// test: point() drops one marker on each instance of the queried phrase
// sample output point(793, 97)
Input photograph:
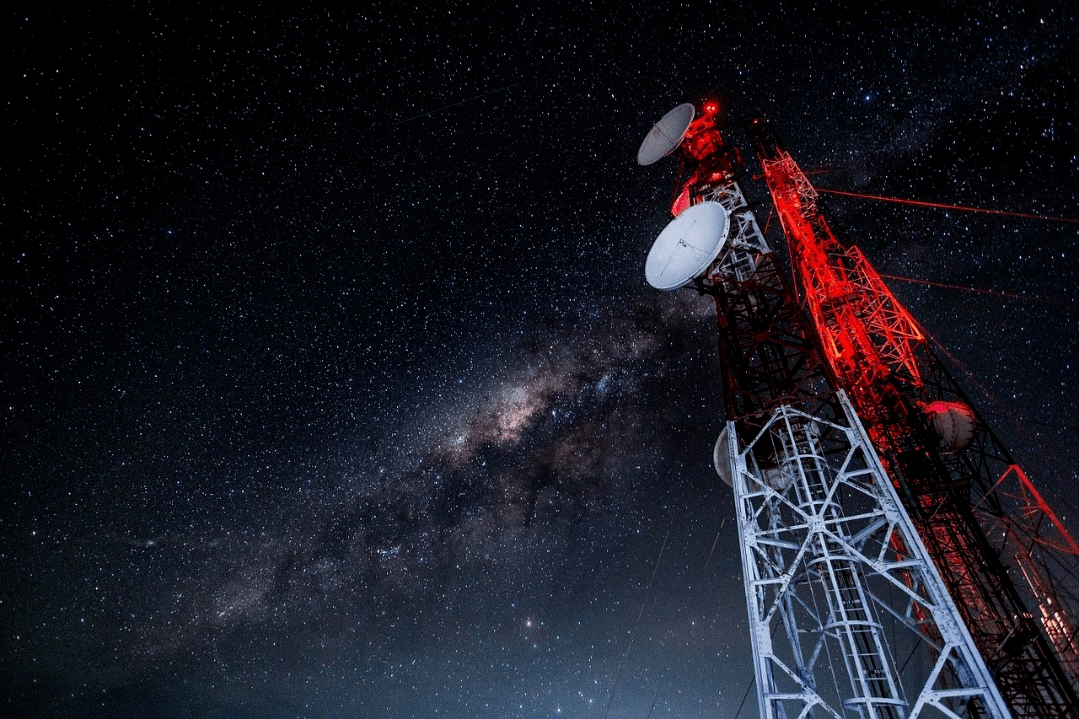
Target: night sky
point(331, 383)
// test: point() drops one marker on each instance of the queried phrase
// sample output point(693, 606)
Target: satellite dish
point(721, 461)
point(687, 246)
point(666, 134)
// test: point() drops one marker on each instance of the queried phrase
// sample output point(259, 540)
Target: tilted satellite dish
point(721, 461)
point(666, 134)
point(687, 246)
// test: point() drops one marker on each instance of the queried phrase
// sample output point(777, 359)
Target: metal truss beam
point(847, 611)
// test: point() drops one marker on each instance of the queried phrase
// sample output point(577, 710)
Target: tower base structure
point(847, 613)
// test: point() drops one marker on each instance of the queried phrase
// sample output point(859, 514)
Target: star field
point(332, 385)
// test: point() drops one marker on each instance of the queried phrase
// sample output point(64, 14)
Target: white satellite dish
point(666, 134)
point(687, 246)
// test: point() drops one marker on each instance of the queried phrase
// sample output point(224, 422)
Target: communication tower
point(977, 512)
point(848, 615)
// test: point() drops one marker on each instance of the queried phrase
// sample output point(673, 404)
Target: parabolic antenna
point(666, 134)
point(687, 246)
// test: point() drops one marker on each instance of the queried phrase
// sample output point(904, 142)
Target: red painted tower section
point(995, 539)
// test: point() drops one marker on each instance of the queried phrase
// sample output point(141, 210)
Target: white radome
point(687, 246)
point(953, 423)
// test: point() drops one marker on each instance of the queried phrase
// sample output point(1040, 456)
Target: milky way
point(332, 383)
point(553, 443)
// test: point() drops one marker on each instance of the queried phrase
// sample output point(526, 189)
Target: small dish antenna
point(666, 134)
point(687, 246)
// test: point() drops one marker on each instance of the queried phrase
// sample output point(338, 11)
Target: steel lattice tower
point(848, 615)
point(975, 509)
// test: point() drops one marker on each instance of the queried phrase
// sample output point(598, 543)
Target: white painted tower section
point(847, 614)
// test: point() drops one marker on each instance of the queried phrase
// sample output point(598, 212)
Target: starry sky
point(332, 386)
